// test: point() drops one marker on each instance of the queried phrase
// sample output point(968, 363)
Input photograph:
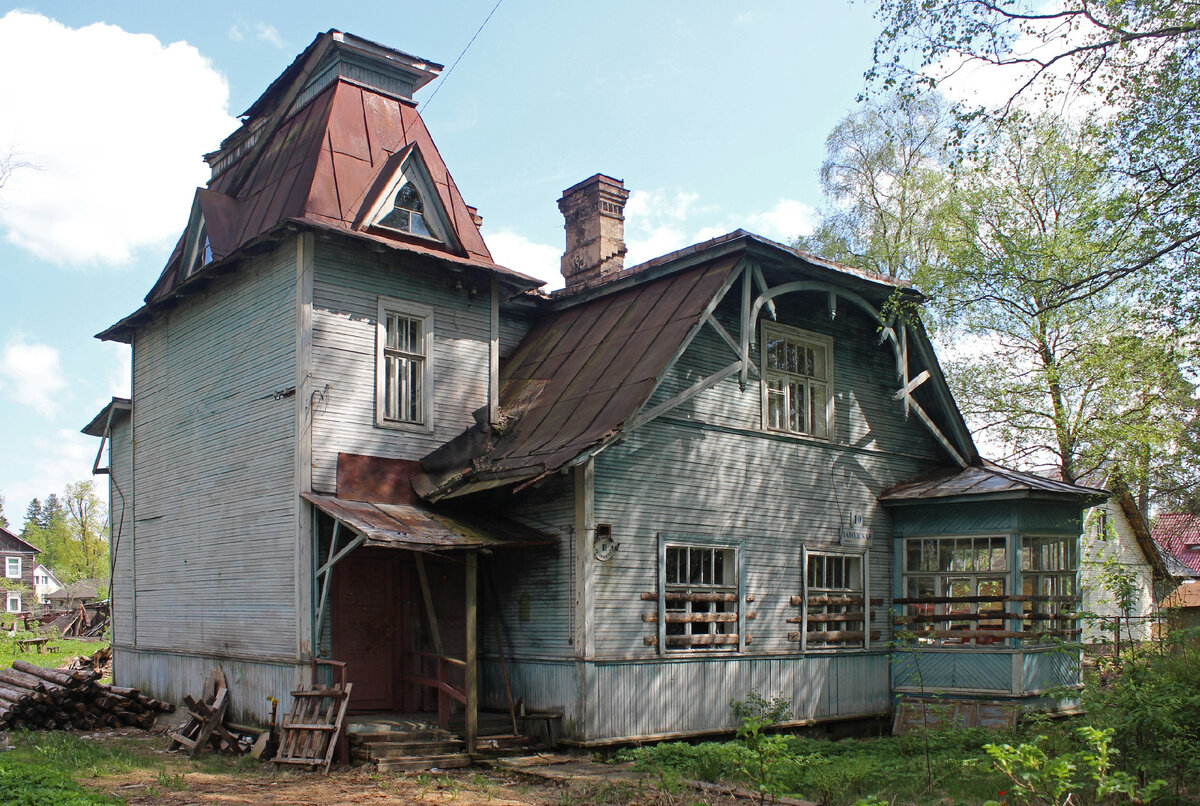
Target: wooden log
point(829, 599)
point(673, 596)
point(26, 680)
point(68, 679)
point(696, 618)
point(827, 636)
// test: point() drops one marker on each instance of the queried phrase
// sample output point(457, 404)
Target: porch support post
point(472, 658)
point(427, 597)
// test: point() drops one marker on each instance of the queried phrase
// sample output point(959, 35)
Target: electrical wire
point(446, 77)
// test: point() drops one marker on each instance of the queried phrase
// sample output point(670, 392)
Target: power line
point(446, 77)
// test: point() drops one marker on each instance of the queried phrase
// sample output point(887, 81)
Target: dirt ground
point(178, 784)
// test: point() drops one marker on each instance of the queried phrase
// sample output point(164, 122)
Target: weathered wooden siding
point(864, 374)
point(214, 439)
point(535, 585)
point(1119, 544)
point(120, 530)
point(171, 675)
point(777, 494)
point(1050, 669)
point(954, 669)
point(348, 282)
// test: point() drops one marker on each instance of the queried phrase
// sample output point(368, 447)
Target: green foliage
point(71, 531)
point(765, 750)
point(1083, 777)
point(41, 768)
point(1153, 711)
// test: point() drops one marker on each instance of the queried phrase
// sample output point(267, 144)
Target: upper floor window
point(12, 567)
point(404, 364)
point(797, 378)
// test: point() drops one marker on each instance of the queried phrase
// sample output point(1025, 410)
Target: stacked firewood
point(50, 699)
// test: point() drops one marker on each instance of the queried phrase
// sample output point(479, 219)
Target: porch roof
point(987, 480)
point(413, 528)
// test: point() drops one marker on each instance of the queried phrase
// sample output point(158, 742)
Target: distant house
point(1182, 606)
point(354, 436)
point(19, 559)
point(1178, 534)
point(44, 583)
point(1117, 547)
point(83, 592)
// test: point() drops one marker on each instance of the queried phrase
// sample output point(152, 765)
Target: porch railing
point(441, 683)
point(986, 619)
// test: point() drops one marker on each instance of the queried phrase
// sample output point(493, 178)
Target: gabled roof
point(116, 409)
point(82, 589)
point(576, 378)
point(585, 371)
point(1175, 532)
point(11, 542)
point(1137, 524)
point(315, 155)
point(983, 481)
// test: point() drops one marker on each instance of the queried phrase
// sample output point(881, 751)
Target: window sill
point(400, 425)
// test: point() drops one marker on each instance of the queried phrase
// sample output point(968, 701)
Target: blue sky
point(714, 114)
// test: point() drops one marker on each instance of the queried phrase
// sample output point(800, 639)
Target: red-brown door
point(369, 623)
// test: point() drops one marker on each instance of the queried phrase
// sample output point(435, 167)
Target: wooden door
point(370, 617)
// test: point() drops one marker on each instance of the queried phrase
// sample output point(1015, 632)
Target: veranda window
point(701, 597)
point(1050, 580)
point(955, 589)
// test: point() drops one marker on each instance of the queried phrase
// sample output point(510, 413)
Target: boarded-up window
point(836, 609)
point(701, 597)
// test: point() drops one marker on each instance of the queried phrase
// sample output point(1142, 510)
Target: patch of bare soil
point(358, 785)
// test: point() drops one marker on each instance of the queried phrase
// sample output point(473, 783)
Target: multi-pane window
point(701, 597)
point(405, 337)
point(14, 602)
point(1050, 576)
point(12, 567)
point(970, 571)
point(836, 608)
point(407, 213)
point(796, 381)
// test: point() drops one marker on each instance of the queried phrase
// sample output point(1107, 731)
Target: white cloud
point(785, 221)
point(269, 33)
point(120, 377)
point(236, 33)
point(32, 375)
point(56, 462)
point(517, 252)
point(115, 124)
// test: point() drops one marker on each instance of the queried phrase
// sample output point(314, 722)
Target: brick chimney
point(594, 211)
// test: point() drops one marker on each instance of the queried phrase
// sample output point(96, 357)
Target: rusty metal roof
point(322, 166)
point(419, 529)
point(986, 480)
point(575, 380)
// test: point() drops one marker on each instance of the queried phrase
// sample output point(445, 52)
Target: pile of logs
point(49, 699)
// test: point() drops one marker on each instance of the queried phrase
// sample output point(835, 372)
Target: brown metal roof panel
point(353, 176)
point(654, 359)
point(347, 123)
point(385, 132)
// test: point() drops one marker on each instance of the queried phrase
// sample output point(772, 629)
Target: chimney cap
point(595, 179)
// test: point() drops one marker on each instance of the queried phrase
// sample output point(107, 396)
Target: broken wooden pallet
point(312, 729)
point(205, 720)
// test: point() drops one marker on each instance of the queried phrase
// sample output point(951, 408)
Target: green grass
point(841, 772)
point(67, 649)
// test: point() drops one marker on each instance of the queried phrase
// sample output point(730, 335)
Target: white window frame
point(9, 564)
point(943, 580)
point(735, 628)
point(808, 339)
point(13, 602)
point(863, 590)
point(424, 314)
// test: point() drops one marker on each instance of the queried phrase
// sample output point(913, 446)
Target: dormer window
point(406, 201)
point(408, 213)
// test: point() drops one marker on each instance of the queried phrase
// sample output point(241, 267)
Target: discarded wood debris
point(206, 717)
point(312, 729)
point(34, 698)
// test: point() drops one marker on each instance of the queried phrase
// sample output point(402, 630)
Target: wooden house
point(1123, 576)
point(19, 559)
point(354, 436)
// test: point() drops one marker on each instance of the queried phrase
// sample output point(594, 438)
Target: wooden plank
point(472, 659)
point(427, 596)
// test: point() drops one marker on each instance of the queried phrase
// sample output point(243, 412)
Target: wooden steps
point(404, 745)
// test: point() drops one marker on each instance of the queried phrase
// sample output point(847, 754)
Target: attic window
point(408, 213)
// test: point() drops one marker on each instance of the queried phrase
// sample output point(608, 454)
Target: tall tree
point(1139, 60)
point(33, 518)
point(3, 520)
point(86, 517)
point(883, 176)
point(1082, 383)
